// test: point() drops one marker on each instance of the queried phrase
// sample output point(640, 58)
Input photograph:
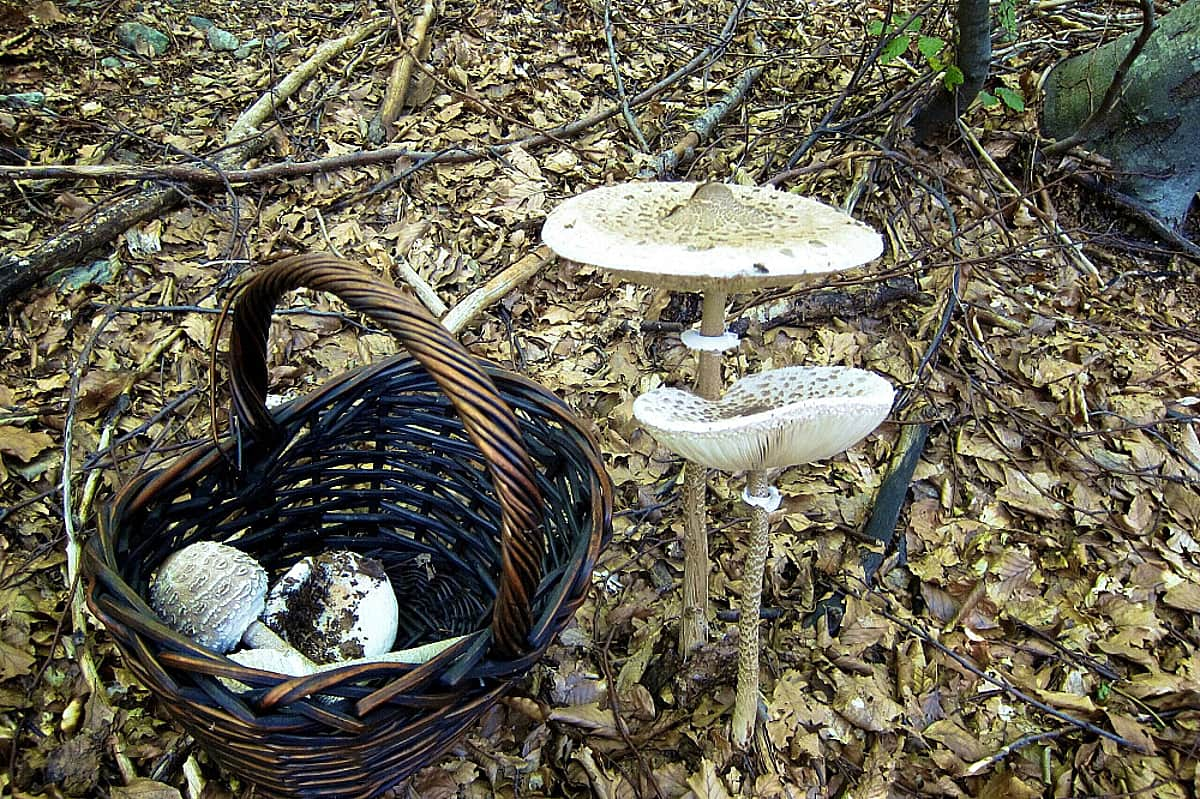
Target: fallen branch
point(80, 237)
point(618, 82)
point(833, 304)
point(190, 174)
point(702, 128)
point(496, 288)
point(383, 127)
point(1004, 685)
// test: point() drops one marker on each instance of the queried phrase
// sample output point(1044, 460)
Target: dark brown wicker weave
point(477, 489)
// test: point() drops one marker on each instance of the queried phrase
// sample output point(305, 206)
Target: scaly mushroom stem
point(693, 622)
point(745, 706)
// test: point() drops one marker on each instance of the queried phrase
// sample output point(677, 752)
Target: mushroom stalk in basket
point(717, 239)
point(779, 418)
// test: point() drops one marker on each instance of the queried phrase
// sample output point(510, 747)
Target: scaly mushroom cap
point(782, 417)
point(210, 592)
point(694, 236)
point(334, 607)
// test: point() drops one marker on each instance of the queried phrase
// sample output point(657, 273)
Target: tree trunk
point(1152, 135)
point(974, 58)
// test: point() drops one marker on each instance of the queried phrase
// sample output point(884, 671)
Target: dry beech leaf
point(588, 717)
point(22, 444)
point(966, 745)
point(142, 788)
point(705, 783)
point(1184, 595)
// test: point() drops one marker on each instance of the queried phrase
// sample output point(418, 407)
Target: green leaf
point(930, 46)
point(913, 25)
point(1006, 16)
point(894, 49)
point(988, 100)
point(875, 27)
point(953, 78)
point(1011, 97)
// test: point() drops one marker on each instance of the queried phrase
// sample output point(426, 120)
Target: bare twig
point(190, 174)
point(1073, 251)
point(619, 82)
point(980, 766)
point(496, 288)
point(1007, 687)
point(253, 117)
point(701, 129)
point(1113, 93)
point(19, 272)
point(383, 127)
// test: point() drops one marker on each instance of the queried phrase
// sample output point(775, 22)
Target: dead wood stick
point(701, 129)
point(19, 272)
point(841, 304)
point(254, 116)
point(197, 175)
point(562, 132)
point(383, 127)
point(495, 289)
point(425, 292)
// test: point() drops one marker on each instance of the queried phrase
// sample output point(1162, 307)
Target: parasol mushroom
point(214, 594)
point(334, 606)
point(717, 239)
point(779, 418)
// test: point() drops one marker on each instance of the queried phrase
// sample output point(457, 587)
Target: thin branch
point(1084, 131)
point(1007, 687)
point(701, 129)
point(21, 271)
point(496, 288)
point(618, 82)
point(979, 766)
point(383, 127)
point(453, 155)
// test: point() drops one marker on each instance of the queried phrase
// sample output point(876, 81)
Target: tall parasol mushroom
point(717, 239)
point(779, 418)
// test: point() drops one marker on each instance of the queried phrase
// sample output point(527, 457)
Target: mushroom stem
point(693, 622)
point(712, 323)
point(745, 707)
point(260, 636)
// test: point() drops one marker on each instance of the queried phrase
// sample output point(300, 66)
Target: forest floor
point(1037, 632)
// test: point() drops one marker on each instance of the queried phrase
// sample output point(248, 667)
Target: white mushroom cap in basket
point(782, 417)
point(335, 606)
point(210, 592)
point(694, 236)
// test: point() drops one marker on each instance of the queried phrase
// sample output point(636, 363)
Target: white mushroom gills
point(782, 417)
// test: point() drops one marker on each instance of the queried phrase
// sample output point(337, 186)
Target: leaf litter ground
point(1050, 550)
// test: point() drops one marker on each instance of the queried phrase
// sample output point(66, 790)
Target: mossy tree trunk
point(1152, 135)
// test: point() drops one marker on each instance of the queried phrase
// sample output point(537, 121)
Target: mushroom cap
point(696, 236)
point(210, 592)
point(335, 606)
point(782, 417)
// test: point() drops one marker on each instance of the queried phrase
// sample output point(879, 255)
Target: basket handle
point(489, 422)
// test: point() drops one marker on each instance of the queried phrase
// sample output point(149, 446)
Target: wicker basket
point(477, 489)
